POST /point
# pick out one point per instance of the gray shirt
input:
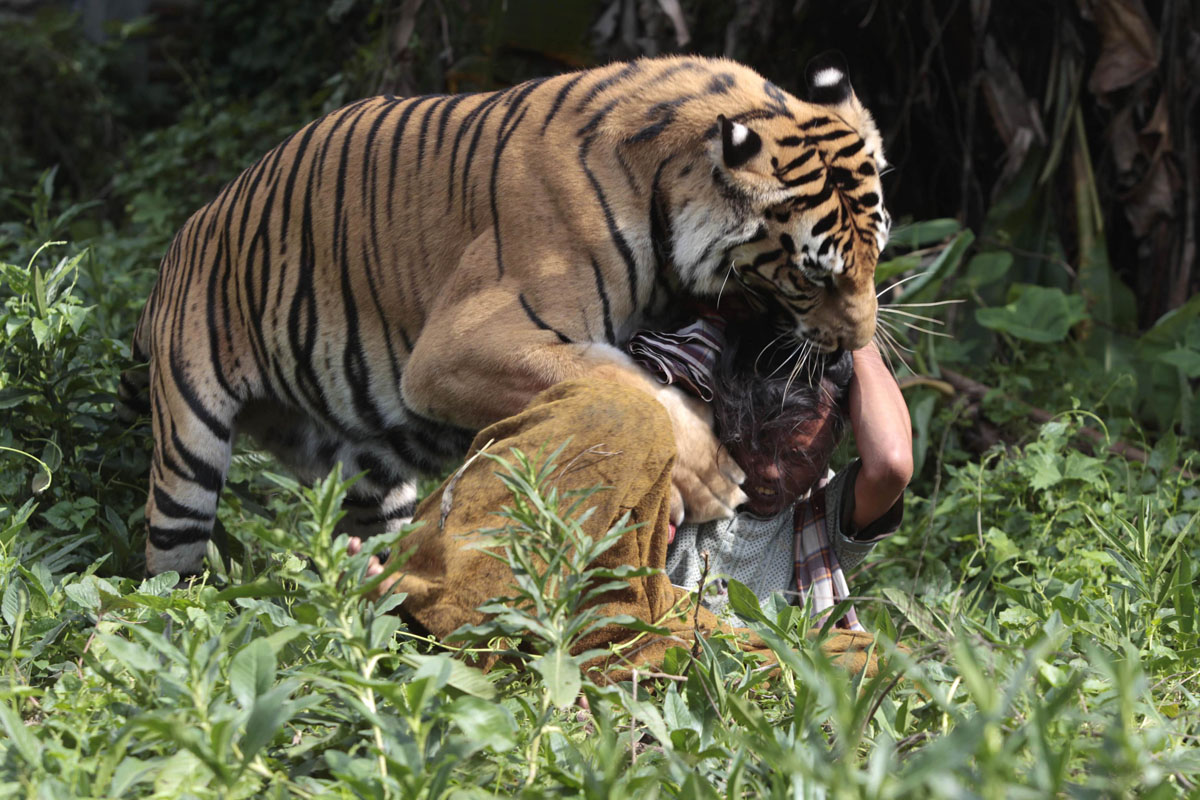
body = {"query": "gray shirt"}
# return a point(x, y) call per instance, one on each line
point(759, 551)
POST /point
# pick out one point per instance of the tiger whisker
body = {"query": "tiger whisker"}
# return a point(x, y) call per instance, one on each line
point(721, 291)
point(783, 363)
point(884, 346)
point(767, 347)
point(901, 282)
point(891, 335)
point(953, 302)
point(910, 315)
point(804, 348)
point(919, 329)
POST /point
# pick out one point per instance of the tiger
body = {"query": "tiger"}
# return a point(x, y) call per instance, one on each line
point(402, 272)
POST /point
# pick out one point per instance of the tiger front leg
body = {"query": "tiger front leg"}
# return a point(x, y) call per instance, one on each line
point(484, 359)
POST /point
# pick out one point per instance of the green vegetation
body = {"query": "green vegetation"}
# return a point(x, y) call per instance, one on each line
point(1037, 608)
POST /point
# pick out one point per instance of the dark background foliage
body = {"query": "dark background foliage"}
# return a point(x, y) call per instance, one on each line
point(968, 93)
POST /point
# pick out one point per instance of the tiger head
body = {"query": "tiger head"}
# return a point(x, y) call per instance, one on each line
point(812, 175)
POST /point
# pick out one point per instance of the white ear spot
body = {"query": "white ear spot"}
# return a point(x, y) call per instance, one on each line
point(830, 76)
point(737, 136)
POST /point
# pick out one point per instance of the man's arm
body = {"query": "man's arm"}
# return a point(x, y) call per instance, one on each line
point(883, 433)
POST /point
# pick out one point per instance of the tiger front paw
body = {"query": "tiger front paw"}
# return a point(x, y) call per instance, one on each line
point(706, 481)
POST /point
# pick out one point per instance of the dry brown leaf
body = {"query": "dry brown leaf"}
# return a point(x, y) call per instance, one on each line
point(1128, 43)
point(1015, 116)
point(1123, 138)
point(675, 13)
point(1152, 199)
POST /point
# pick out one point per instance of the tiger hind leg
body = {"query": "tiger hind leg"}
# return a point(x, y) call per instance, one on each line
point(193, 443)
point(380, 501)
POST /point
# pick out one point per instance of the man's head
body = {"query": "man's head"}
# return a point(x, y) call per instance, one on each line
point(781, 429)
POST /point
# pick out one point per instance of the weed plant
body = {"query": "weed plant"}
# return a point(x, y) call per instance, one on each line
point(1036, 616)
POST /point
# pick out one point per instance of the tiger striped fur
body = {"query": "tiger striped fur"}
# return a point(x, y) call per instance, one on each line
point(403, 272)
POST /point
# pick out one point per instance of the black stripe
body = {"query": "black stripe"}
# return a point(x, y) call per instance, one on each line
point(342, 116)
point(541, 324)
point(600, 290)
point(216, 304)
point(477, 117)
point(814, 200)
point(291, 183)
point(764, 258)
point(559, 98)
point(369, 160)
point(302, 313)
point(447, 109)
point(421, 136)
point(502, 138)
point(798, 161)
point(397, 136)
point(815, 122)
point(849, 149)
point(825, 137)
point(825, 223)
point(602, 85)
point(811, 175)
point(218, 429)
point(609, 219)
point(660, 220)
point(165, 504)
point(202, 473)
point(169, 538)
point(399, 512)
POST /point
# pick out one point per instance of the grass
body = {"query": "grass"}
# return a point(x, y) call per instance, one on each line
point(1037, 610)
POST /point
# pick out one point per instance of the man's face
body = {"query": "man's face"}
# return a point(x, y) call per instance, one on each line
point(779, 473)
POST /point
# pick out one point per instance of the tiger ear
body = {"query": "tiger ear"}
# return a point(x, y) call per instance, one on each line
point(739, 144)
point(827, 80)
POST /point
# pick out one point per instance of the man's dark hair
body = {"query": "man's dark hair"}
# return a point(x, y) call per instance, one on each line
point(761, 399)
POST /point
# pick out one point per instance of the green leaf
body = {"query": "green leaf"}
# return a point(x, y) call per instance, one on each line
point(1043, 470)
point(259, 587)
point(27, 744)
point(84, 593)
point(466, 679)
point(383, 630)
point(1186, 361)
point(942, 267)
point(271, 711)
point(988, 267)
point(561, 676)
point(130, 654)
point(1171, 327)
point(16, 602)
point(41, 331)
point(1039, 314)
point(915, 612)
point(252, 672)
point(744, 603)
point(39, 292)
point(919, 234)
point(483, 723)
